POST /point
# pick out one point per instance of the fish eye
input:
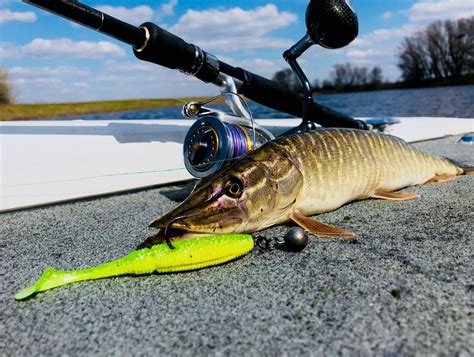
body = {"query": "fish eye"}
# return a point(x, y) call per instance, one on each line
point(234, 188)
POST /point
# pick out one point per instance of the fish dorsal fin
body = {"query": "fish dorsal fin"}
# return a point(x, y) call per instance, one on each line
point(394, 196)
point(318, 228)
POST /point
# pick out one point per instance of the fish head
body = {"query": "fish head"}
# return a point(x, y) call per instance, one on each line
point(247, 195)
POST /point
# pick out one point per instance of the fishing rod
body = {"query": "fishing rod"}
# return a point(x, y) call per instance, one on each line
point(153, 44)
point(211, 142)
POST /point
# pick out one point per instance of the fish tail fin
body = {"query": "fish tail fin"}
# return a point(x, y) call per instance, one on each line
point(468, 170)
point(463, 169)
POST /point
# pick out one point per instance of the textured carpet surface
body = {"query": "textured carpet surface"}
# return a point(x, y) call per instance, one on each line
point(403, 286)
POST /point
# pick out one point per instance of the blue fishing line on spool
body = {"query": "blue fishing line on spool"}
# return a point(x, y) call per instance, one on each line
point(211, 142)
point(237, 143)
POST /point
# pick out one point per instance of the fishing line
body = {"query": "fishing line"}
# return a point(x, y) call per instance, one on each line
point(94, 177)
point(239, 143)
point(106, 175)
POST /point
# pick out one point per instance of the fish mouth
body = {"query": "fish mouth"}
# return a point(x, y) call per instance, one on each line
point(173, 227)
point(197, 223)
point(172, 234)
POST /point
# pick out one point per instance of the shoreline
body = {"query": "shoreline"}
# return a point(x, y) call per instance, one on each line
point(9, 112)
point(396, 85)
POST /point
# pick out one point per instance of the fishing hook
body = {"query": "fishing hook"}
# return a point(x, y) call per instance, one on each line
point(167, 229)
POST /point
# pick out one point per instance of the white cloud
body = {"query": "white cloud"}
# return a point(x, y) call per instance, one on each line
point(32, 72)
point(44, 83)
point(382, 37)
point(35, 81)
point(7, 50)
point(135, 15)
point(167, 9)
point(53, 48)
point(235, 28)
point(263, 67)
point(360, 42)
point(387, 15)
point(239, 43)
point(440, 10)
point(379, 47)
point(47, 48)
point(392, 33)
point(366, 53)
point(21, 16)
point(420, 14)
point(132, 67)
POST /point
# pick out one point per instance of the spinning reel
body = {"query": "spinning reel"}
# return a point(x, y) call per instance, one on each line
point(217, 137)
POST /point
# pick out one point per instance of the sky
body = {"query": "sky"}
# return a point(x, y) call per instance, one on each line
point(50, 59)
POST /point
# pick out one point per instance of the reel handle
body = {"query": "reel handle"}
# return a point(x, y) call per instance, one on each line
point(331, 23)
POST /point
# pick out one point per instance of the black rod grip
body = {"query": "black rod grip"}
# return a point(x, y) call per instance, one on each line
point(166, 49)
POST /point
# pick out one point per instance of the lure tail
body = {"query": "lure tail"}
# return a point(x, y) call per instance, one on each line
point(189, 254)
point(53, 278)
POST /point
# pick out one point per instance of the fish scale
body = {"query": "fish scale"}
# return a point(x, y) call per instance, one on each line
point(304, 174)
point(330, 165)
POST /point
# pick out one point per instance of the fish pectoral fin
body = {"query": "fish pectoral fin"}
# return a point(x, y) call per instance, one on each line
point(394, 196)
point(318, 228)
point(442, 178)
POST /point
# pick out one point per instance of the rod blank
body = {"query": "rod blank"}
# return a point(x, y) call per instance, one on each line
point(94, 19)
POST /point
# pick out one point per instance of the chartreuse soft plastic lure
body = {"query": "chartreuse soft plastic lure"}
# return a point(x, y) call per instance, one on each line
point(188, 254)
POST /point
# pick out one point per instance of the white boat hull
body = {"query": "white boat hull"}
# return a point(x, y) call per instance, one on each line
point(45, 162)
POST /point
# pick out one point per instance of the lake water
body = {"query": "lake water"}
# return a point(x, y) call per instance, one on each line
point(456, 101)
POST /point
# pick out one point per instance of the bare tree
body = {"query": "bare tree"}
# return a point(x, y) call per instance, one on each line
point(342, 75)
point(360, 76)
point(6, 96)
point(442, 50)
point(327, 84)
point(287, 78)
point(316, 84)
point(437, 48)
point(376, 77)
point(413, 61)
point(347, 76)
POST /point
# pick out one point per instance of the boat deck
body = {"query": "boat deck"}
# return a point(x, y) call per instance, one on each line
point(404, 285)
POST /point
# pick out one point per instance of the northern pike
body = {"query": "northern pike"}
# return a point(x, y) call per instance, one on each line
point(301, 175)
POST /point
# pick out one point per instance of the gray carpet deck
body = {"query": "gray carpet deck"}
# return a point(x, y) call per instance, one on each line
point(404, 286)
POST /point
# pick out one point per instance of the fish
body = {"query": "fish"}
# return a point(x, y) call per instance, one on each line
point(294, 177)
point(187, 255)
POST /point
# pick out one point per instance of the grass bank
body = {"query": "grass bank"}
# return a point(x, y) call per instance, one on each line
point(38, 111)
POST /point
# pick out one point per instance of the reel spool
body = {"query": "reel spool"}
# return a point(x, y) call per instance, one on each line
point(217, 138)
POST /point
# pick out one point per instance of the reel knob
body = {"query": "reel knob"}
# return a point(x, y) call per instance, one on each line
point(331, 23)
